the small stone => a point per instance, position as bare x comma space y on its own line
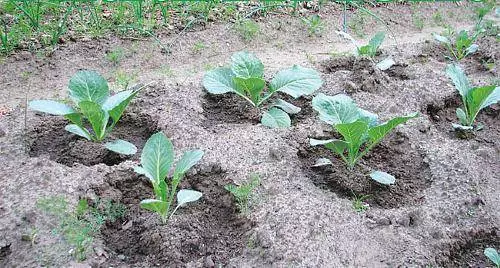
424, 128
29, 217
437, 234
474, 146
351, 86
478, 201
100, 252
121, 257
275, 153
127, 225
2, 132
264, 239
25, 55
403, 221
209, 262
483, 153
384, 221
26, 237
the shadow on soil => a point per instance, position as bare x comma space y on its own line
209, 230
48, 137
394, 156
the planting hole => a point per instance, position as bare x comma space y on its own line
208, 230
467, 250
233, 109
48, 137
228, 108
363, 75
443, 115
394, 156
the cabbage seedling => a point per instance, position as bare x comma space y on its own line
157, 160
463, 45
492, 254
245, 77
89, 92
315, 25
370, 50
474, 99
359, 128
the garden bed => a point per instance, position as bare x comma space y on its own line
441, 211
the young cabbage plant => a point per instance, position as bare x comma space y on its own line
360, 129
370, 50
245, 77
493, 255
157, 160
463, 45
315, 25
474, 99
93, 106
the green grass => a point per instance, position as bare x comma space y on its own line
418, 22
115, 56
417, 18
357, 24
36, 24
123, 79
314, 24
78, 226
247, 29
33, 25
438, 19
244, 193
198, 47
359, 204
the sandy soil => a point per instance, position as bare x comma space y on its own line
443, 211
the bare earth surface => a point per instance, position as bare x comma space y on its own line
443, 210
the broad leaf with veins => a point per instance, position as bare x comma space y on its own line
245, 77
360, 129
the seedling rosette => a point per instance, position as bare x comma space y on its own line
360, 129
371, 49
245, 77
463, 45
157, 160
474, 99
94, 107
